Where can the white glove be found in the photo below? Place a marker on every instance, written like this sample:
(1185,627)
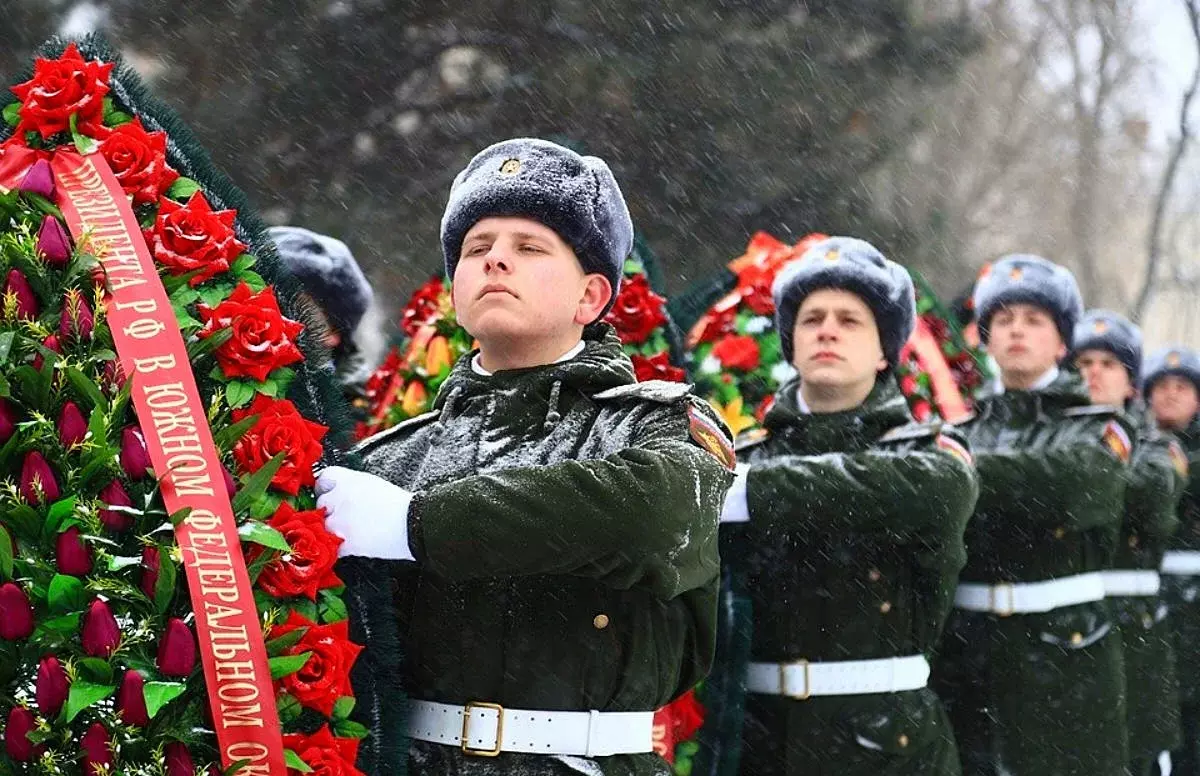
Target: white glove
(369,513)
(737,509)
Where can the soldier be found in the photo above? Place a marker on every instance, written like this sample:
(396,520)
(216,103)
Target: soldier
(1031,665)
(1107,352)
(1172,389)
(562,517)
(845,528)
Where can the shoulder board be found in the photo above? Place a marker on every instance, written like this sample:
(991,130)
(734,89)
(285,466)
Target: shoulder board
(912,431)
(406,425)
(710,432)
(1091,409)
(751,438)
(1117,440)
(661,391)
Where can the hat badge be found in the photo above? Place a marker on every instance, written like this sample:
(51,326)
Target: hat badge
(832,254)
(1099,327)
(1015,273)
(510,167)
(1173,359)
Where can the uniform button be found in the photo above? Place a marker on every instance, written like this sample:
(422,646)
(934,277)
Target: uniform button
(902,740)
(601,621)
(885,607)
(1077,639)
(874,575)
(1060,532)
(1133,542)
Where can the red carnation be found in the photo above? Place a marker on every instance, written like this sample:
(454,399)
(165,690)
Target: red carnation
(656,367)
(638,311)
(326,675)
(423,307)
(191,237)
(280,429)
(737,352)
(324,754)
(263,340)
(61,88)
(308,568)
(139,160)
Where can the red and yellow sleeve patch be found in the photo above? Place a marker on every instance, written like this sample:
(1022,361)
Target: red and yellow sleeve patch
(955,448)
(707,433)
(1179,458)
(1118,441)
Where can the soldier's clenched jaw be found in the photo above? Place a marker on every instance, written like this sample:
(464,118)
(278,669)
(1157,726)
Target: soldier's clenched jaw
(1107,379)
(1174,402)
(1026,344)
(836,350)
(520,290)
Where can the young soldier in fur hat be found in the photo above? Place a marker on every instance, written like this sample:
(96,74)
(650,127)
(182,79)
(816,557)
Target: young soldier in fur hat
(1107,352)
(1172,389)
(561,516)
(845,526)
(1031,665)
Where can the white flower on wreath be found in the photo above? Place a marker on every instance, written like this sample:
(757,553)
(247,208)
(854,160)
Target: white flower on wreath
(758,324)
(711,365)
(782,372)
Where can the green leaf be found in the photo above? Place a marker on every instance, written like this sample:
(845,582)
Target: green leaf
(305,608)
(83,694)
(332,608)
(293,762)
(164,587)
(86,388)
(174,282)
(84,145)
(268,387)
(288,707)
(261,533)
(60,510)
(227,438)
(67,625)
(12,114)
(239,393)
(159,694)
(66,594)
(343,707)
(117,118)
(179,515)
(257,484)
(202,347)
(98,425)
(254,280)
(286,665)
(263,508)
(183,188)
(214,292)
(243,263)
(6,556)
(120,562)
(96,669)
(283,377)
(287,640)
(346,728)
(6,341)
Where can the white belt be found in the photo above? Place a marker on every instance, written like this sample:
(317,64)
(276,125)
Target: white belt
(1131,583)
(802,680)
(1030,597)
(1181,562)
(487,729)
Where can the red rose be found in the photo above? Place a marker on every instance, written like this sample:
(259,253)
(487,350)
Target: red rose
(717,322)
(737,352)
(423,308)
(193,237)
(139,160)
(638,311)
(656,368)
(309,566)
(326,675)
(687,715)
(61,88)
(263,340)
(280,429)
(326,755)
(754,286)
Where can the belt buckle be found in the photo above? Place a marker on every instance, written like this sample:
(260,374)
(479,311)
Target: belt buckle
(783,685)
(996,597)
(466,746)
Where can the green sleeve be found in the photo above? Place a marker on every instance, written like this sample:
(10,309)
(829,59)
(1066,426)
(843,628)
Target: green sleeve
(644,516)
(1153,490)
(907,493)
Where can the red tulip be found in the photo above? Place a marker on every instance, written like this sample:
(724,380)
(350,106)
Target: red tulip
(51,344)
(72,426)
(97,756)
(37,480)
(71,555)
(8,421)
(21,723)
(17,286)
(76,320)
(135,460)
(230,484)
(52,686)
(177,649)
(16,613)
(179,762)
(150,565)
(114,495)
(39,180)
(53,242)
(131,700)
(100,634)
(113,378)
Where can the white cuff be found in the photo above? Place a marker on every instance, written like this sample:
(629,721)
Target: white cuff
(737,508)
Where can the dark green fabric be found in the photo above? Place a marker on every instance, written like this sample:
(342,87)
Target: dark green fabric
(540,504)
(851,552)
(1040,693)
(1182,594)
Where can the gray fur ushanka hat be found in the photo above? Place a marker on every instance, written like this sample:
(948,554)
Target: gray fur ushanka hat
(326,270)
(853,265)
(1172,360)
(1022,278)
(1106,330)
(576,196)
